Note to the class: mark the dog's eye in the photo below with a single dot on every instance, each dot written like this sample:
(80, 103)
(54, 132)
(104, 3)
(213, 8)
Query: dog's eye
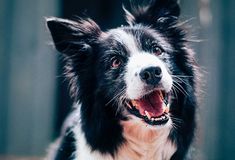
(157, 51)
(115, 62)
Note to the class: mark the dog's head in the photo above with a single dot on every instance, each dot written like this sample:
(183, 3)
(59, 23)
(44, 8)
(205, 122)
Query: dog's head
(141, 71)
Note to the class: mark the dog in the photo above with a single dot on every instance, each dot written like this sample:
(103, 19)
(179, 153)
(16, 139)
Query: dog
(134, 86)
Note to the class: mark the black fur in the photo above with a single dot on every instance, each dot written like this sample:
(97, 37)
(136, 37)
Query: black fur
(94, 84)
(67, 147)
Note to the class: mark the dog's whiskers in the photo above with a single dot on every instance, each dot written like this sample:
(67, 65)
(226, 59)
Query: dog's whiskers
(180, 88)
(115, 97)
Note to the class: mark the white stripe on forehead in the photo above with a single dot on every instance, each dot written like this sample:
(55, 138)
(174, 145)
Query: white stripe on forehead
(126, 39)
(129, 41)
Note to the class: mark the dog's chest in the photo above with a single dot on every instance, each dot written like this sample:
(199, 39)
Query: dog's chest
(141, 144)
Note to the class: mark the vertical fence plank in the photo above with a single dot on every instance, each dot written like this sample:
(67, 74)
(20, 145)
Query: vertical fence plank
(28, 77)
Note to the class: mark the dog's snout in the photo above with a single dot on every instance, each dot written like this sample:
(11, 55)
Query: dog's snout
(151, 75)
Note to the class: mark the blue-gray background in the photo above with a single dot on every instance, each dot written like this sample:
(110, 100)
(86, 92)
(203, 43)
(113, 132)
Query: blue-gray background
(33, 96)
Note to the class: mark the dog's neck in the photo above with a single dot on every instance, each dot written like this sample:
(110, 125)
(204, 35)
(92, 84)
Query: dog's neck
(141, 143)
(145, 143)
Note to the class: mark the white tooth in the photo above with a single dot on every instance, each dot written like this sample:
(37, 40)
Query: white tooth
(164, 107)
(161, 95)
(147, 114)
(156, 119)
(152, 119)
(167, 109)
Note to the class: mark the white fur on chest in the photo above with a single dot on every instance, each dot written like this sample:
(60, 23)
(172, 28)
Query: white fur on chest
(146, 143)
(142, 143)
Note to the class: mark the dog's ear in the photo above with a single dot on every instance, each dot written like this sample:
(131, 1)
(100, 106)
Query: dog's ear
(72, 37)
(154, 11)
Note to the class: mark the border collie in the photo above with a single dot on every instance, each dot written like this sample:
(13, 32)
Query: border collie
(134, 86)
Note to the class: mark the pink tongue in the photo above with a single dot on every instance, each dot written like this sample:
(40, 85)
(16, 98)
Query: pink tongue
(153, 104)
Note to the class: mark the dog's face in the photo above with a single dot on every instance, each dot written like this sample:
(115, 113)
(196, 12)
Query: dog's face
(134, 71)
(131, 69)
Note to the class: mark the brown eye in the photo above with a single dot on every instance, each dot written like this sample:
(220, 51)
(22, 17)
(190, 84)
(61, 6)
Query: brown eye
(157, 51)
(116, 62)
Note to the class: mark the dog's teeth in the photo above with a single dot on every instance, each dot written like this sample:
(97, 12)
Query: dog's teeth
(164, 107)
(161, 95)
(152, 119)
(167, 109)
(157, 119)
(147, 114)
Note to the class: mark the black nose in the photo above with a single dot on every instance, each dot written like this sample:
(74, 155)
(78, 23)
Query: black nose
(151, 75)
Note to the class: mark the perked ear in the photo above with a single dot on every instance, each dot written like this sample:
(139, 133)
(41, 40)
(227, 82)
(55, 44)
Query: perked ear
(154, 11)
(71, 37)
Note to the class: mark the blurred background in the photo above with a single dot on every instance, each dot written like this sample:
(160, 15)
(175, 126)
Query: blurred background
(34, 96)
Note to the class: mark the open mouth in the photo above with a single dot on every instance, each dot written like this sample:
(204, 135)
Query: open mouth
(152, 108)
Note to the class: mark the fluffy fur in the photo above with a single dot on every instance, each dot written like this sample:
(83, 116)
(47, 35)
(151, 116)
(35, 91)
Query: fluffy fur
(107, 69)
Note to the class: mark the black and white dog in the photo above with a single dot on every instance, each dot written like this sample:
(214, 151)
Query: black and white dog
(134, 86)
